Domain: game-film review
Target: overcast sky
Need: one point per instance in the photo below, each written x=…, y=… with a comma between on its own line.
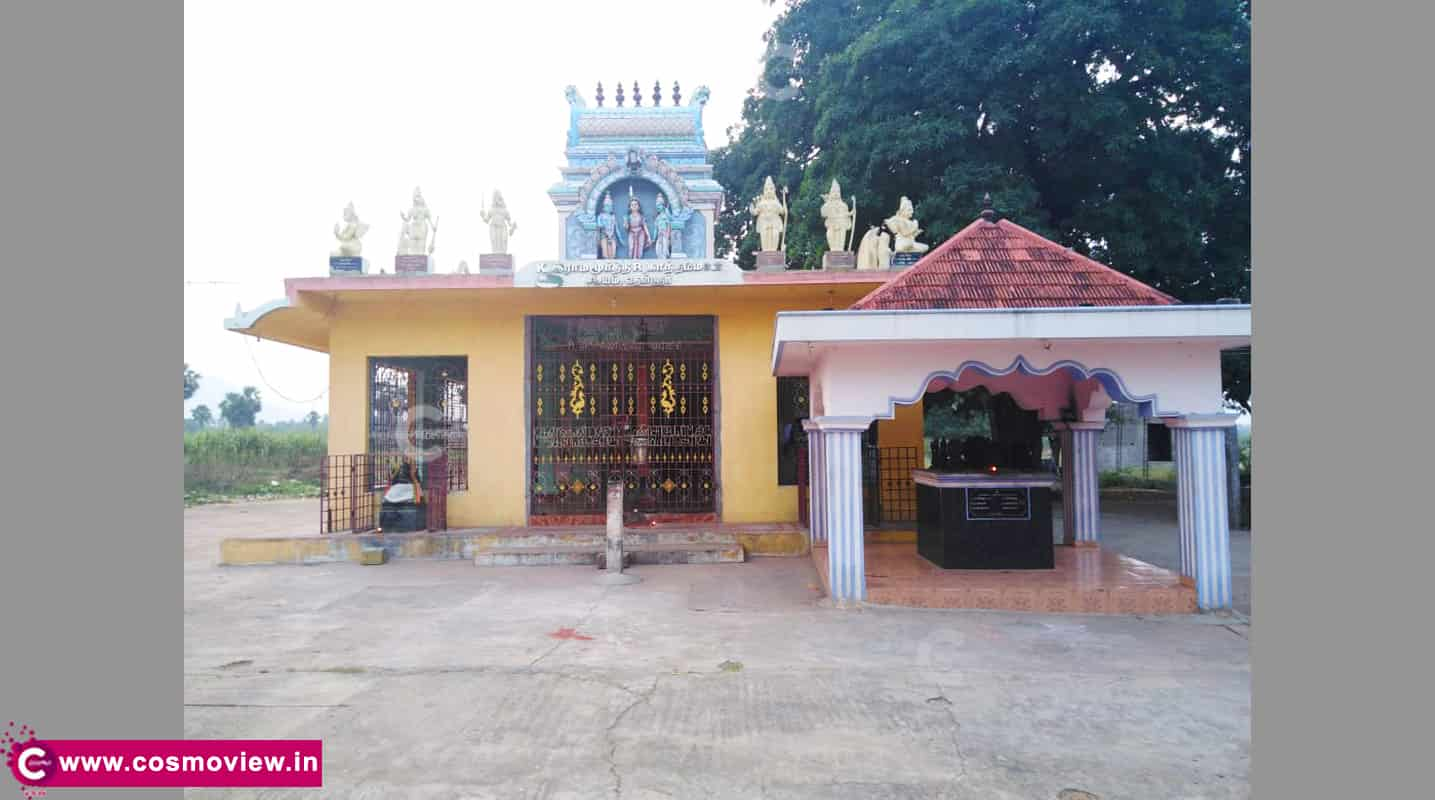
x=292, y=110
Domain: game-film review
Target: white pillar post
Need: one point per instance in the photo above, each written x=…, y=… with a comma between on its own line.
x=1080, y=482
x=1200, y=445
x=841, y=476
x=817, y=530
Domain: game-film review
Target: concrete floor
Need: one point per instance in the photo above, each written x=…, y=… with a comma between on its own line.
x=439, y=679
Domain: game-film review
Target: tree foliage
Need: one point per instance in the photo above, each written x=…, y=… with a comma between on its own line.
x=1120, y=128
x=201, y=416
x=191, y=381
x=239, y=410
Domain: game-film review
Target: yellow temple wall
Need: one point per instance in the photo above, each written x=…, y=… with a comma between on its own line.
x=488, y=327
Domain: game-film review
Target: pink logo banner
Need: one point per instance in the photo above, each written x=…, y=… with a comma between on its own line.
x=157, y=763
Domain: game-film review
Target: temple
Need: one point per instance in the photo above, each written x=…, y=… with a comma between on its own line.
x=914, y=412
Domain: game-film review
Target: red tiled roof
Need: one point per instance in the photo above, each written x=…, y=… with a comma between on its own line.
x=1003, y=265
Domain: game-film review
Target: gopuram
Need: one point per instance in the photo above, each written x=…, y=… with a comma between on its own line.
x=632, y=157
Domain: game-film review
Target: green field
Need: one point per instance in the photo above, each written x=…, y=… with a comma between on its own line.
x=227, y=464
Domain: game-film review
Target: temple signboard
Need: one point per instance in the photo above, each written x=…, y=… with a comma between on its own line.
x=629, y=272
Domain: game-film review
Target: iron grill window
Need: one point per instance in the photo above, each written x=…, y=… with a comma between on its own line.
x=791, y=411
x=418, y=409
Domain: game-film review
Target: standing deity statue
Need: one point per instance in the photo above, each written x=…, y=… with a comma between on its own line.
x=500, y=224
x=414, y=238
x=904, y=229
x=840, y=220
x=607, y=229
x=350, y=235
x=771, y=213
x=662, y=228
x=875, y=250
x=637, y=237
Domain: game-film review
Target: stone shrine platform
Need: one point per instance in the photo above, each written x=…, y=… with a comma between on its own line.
x=1088, y=580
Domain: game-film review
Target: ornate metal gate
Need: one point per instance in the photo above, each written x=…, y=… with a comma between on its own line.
x=629, y=397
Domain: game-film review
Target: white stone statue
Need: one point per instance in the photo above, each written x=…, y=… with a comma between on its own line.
x=500, y=224
x=840, y=220
x=414, y=235
x=904, y=229
x=771, y=213
x=875, y=251
x=350, y=234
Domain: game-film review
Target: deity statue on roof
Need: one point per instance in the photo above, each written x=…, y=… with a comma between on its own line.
x=875, y=251
x=771, y=214
x=414, y=235
x=904, y=229
x=500, y=224
x=839, y=219
x=350, y=234
x=662, y=228
x=635, y=228
x=607, y=229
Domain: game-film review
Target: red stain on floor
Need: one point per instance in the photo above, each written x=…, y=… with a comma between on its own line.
x=569, y=633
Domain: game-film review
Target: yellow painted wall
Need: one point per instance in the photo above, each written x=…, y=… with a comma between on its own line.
x=903, y=430
x=488, y=327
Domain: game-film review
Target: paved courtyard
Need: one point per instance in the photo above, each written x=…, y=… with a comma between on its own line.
x=443, y=680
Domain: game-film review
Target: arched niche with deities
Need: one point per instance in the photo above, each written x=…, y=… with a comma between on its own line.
x=643, y=176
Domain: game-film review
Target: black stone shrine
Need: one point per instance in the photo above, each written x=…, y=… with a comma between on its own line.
x=985, y=521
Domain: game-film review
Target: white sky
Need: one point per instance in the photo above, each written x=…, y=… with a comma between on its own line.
x=291, y=110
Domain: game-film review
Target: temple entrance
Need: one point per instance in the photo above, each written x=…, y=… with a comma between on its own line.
x=627, y=397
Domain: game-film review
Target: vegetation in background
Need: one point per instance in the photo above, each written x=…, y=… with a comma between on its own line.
x=238, y=410
x=229, y=463
x=191, y=382
x=1119, y=128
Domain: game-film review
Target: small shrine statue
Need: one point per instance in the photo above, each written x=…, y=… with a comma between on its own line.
x=607, y=229
x=350, y=235
x=839, y=219
x=771, y=214
x=500, y=224
x=662, y=229
x=635, y=228
x=414, y=235
x=904, y=229
x=875, y=251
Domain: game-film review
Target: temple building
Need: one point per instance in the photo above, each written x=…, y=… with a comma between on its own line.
x=791, y=411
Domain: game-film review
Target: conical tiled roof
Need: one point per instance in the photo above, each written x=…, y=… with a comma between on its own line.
x=999, y=264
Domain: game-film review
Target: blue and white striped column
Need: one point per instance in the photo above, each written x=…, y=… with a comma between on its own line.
x=1080, y=482
x=841, y=512
x=1200, y=445
x=816, y=528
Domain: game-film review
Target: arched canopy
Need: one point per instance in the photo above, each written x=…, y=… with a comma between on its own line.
x=1067, y=363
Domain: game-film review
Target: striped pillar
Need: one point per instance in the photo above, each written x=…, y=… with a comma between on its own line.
x=1200, y=445
x=841, y=476
x=816, y=527
x=1080, y=483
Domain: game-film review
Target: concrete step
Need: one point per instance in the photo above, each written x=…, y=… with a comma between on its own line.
x=639, y=550
x=552, y=555
x=685, y=552
x=596, y=537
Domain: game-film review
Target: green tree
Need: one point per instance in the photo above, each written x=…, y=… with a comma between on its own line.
x=1120, y=128
x=313, y=419
x=239, y=410
x=201, y=416
x=191, y=381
